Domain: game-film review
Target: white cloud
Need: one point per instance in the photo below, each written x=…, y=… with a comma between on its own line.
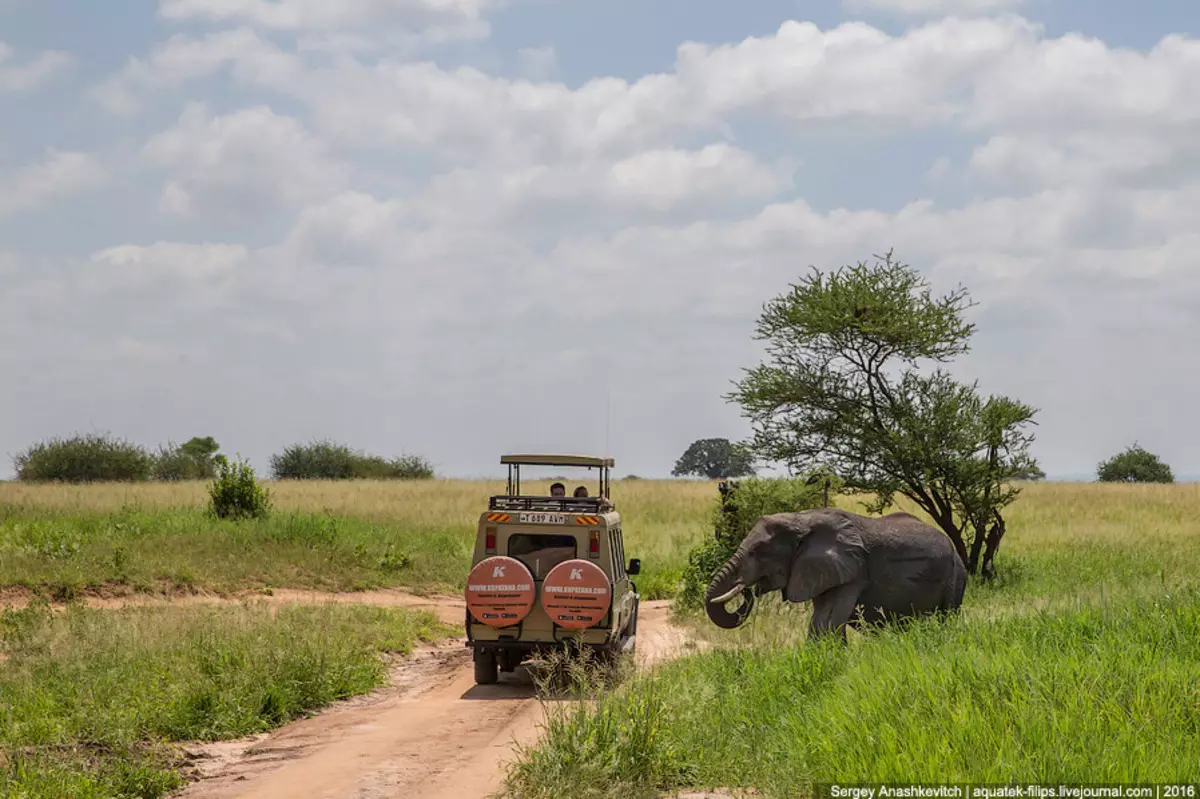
x=538, y=63
x=242, y=165
x=422, y=21
x=1089, y=158
x=930, y=8
x=601, y=193
x=934, y=74
x=35, y=73
x=211, y=265
x=181, y=59
x=60, y=175
x=631, y=228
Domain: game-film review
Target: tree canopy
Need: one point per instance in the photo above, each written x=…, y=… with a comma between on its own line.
x=1134, y=465
x=843, y=387
x=715, y=458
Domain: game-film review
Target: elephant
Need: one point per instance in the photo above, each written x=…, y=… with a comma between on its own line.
x=857, y=570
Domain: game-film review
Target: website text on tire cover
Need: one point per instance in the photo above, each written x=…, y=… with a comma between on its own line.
x=549, y=572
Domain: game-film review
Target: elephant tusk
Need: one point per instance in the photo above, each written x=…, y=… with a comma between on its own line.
x=728, y=595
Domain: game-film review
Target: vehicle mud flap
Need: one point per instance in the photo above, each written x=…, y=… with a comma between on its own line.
x=486, y=672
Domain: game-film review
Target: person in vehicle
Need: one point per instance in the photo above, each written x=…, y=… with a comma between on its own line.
x=581, y=491
x=558, y=490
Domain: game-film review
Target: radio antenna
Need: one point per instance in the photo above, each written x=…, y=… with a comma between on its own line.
x=607, y=419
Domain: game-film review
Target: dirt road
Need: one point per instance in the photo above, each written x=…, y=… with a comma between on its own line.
x=432, y=733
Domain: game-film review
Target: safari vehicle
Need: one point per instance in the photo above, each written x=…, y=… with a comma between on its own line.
x=549, y=573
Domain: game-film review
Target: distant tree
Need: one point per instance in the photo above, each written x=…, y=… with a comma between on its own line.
x=841, y=389
x=194, y=460
x=714, y=458
x=1134, y=465
x=1032, y=475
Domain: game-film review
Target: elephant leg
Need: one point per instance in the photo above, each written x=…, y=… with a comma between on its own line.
x=872, y=617
x=833, y=609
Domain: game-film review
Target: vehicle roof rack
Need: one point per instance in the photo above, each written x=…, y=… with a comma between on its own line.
x=589, y=461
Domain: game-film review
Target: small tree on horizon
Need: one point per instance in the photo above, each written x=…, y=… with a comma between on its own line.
x=715, y=458
x=1134, y=465
x=192, y=460
x=842, y=389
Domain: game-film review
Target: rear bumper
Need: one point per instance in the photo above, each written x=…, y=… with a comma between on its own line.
x=529, y=647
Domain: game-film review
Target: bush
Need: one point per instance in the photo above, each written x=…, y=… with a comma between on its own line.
x=325, y=460
x=84, y=458
x=736, y=513
x=1134, y=465
x=191, y=461
x=236, y=493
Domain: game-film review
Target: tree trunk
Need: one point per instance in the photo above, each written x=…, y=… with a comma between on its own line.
x=995, y=533
x=976, y=548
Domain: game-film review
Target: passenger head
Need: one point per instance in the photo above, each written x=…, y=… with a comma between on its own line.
x=558, y=490
x=581, y=491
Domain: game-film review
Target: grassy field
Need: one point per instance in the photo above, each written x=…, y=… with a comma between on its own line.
x=91, y=701
x=68, y=540
x=1079, y=663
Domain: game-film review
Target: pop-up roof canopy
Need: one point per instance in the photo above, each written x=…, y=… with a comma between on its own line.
x=588, y=461
x=515, y=462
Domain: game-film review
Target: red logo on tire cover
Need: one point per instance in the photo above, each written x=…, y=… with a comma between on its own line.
x=500, y=591
x=576, y=594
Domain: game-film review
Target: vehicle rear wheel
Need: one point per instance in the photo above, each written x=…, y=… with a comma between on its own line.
x=486, y=668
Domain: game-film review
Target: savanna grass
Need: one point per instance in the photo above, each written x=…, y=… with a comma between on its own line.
x=331, y=535
x=1086, y=694
x=91, y=701
x=1077, y=664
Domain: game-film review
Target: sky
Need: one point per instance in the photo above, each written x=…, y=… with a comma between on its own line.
x=458, y=228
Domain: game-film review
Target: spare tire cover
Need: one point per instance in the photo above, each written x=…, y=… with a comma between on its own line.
x=500, y=591
x=576, y=594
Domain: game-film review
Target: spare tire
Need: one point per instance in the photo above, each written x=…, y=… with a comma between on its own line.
x=500, y=591
x=576, y=594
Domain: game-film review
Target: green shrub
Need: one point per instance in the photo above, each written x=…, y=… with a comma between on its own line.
x=326, y=460
x=1134, y=465
x=84, y=458
x=236, y=494
x=194, y=460
x=736, y=513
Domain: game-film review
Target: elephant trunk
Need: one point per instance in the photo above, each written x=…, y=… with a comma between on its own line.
x=725, y=586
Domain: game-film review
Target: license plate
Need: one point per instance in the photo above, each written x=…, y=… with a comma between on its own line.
x=543, y=518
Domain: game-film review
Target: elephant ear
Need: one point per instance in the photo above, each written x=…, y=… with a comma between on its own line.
x=832, y=554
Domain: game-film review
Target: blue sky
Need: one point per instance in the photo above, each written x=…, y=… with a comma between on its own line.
x=388, y=221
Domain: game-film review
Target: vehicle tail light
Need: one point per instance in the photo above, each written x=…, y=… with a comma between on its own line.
x=489, y=541
x=594, y=546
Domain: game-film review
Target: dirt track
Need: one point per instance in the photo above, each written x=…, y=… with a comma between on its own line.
x=432, y=733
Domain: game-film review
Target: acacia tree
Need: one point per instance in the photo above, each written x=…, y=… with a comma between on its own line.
x=843, y=388
x=714, y=458
x=1134, y=465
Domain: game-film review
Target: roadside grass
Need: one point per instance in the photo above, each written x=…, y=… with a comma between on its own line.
x=1078, y=663
x=92, y=701
x=1086, y=694
x=65, y=540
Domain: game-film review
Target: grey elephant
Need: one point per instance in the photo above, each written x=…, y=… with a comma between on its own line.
x=856, y=569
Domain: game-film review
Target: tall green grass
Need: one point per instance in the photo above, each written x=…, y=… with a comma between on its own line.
x=331, y=535
x=1082, y=694
x=90, y=701
x=66, y=555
